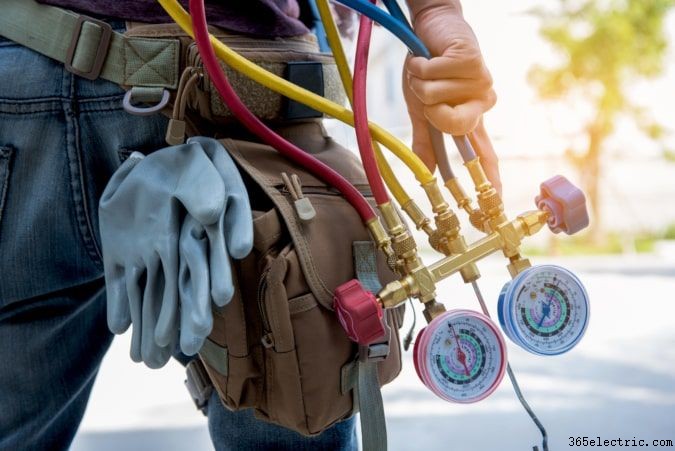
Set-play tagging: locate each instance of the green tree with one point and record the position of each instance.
(604, 45)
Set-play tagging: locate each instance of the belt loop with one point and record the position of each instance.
(101, 49)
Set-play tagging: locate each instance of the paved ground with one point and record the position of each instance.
(619, 382)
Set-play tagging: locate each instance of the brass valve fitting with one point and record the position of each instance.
(478, 220)
(469, 272)
(490, 203)
(476, 217)
(480, 180)
(447, 239)
(438, 204)
(391, 219)
(417, 281)
(517, 264)
(533, 221)
(458, 193)
(402, 243)
(419, 284)
(418, 217)
(380, 236)
(447, 229)
(489, 200)
(432, 309)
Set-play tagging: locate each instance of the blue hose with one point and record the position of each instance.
(400, 29)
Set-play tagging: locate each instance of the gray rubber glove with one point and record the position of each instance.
(140, 214)
(205, 271)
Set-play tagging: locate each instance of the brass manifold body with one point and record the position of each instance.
(419, 281)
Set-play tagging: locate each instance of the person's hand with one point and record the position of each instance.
(453, 89)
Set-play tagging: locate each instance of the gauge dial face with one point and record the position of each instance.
(461, 356)
(544, 310)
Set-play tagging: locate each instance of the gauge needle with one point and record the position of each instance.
(546, 308)
(461, 356)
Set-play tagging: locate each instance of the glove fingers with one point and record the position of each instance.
(117, 300)
(239, 225)
(193, 284)
(152, 353)
(118, 177)
(200, 188)
(219, 268)
(167, 298)
(133, 282)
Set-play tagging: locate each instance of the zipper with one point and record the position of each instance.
(323, 191)
(267, 338)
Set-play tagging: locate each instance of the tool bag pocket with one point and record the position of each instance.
(285, 349)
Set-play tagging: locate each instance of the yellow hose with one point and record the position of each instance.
(292, 91)
(343, 68)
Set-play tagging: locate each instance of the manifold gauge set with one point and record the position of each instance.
(461, 355)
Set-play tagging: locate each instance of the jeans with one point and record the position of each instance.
(61, 138)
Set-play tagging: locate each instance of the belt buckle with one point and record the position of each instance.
(378, 351)
(198, 384)
(101, 49)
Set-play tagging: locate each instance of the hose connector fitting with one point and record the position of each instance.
(421, 221)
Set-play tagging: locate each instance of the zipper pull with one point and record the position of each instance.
(267, 340)
(175, 132)
(302, 204)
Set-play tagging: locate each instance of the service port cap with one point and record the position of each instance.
(359, 313)
(565, 202)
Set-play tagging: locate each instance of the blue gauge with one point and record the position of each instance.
(544, 310)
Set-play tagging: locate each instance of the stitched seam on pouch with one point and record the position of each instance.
(302, 248)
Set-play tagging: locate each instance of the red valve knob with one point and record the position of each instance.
(565, 202)
(359, 312)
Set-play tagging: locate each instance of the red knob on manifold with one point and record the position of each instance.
(565, 202)
(359, 313)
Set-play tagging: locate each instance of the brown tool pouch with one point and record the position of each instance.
(286, 354)
(278, 347)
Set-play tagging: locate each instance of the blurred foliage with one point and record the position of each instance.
(669, 155)
(603, 45)
(669, 234)
(614, 243)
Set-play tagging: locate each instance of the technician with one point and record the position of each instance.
(62, 137)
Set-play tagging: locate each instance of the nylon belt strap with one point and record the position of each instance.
(365, 264)
(371, 407)
(368, 394)
(80, 42)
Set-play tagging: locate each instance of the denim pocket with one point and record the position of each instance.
(6, 154)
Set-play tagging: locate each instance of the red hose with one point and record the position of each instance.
(363, 137)
(256, 126)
